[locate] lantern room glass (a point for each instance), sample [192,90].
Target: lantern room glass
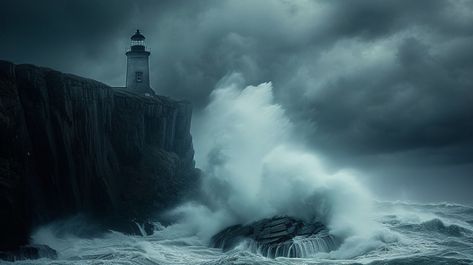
[137,43]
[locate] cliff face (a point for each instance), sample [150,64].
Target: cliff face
[70,145]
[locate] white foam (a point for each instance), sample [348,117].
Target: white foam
[255,168]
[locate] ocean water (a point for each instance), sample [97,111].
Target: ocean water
[410,234]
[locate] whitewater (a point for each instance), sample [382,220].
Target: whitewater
[255,167]
[428,234]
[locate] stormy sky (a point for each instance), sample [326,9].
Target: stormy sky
[382,87]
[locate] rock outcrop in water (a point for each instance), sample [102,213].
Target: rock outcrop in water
[277,237]
[71,144]
[29,252]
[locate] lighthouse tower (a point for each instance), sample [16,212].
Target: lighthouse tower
[137,70]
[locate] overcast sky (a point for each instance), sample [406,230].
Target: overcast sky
[383,87]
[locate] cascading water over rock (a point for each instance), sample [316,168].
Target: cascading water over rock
[277,237]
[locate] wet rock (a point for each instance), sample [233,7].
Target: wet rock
[29,252]
[14,163]
[277,236]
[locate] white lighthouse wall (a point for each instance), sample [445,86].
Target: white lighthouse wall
[137,62]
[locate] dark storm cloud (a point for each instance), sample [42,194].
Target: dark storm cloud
[374,76]
[368,82]
[424,100]
[56,28]
[382,86]
[85,37]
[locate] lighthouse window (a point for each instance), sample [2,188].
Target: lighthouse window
[139,77]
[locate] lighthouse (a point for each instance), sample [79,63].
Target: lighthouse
[137,69]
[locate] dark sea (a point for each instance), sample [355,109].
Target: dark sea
[407,233]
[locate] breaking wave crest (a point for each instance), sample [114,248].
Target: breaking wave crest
[169,246]
[256,168]
[437,226]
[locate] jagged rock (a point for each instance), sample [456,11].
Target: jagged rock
[29,252]
[15,150]
[277,236]
[71,144]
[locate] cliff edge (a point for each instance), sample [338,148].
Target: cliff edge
[74,145]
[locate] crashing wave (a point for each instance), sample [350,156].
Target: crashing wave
[436,225]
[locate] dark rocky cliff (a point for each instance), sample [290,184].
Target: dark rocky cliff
[74,145]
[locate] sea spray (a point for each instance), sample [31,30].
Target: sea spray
[255,168]
[171,246]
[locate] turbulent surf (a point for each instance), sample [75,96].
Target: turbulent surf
[411,234]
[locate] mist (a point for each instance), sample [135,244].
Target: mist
[254,167]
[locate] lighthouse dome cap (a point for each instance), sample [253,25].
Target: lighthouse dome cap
[137,36]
